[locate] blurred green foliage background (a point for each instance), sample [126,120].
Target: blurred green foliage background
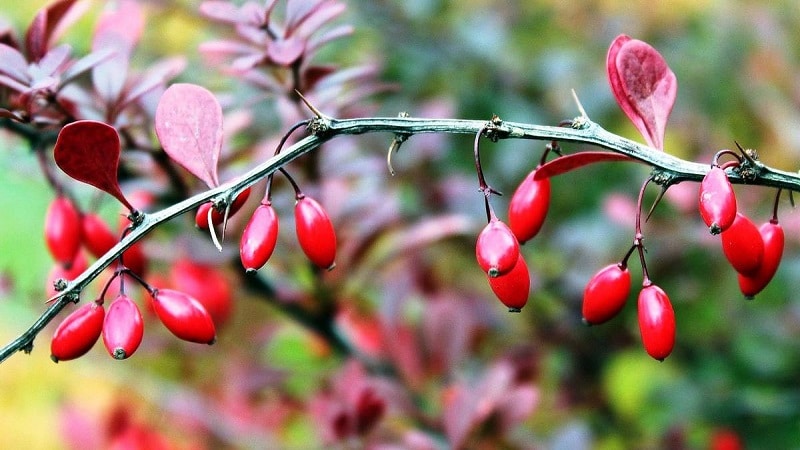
[737,362]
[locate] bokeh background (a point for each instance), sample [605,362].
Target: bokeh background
[736,366]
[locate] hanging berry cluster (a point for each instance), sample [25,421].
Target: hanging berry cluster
[754,252]
[645,88]
[498,246]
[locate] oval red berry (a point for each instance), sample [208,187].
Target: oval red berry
[773,237]
[605,294]
[497,249]
[207,283]
[528,207]
[123,328]
[315,232]
[656,322]
[513,287]
[97,236]
[77,333]
[259,238]
[717,201]
[184,316]
[743,245]
[62,230]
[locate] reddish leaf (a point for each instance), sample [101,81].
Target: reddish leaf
[643,85]
[568,163]
[88,151]
[189,126]
[41,30]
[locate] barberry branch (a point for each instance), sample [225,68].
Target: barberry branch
[667,170]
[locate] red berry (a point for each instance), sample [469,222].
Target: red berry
[207,284]
[123,328]
[315,232]
[528,207]
[97,236]
[743,245]
[773,237]
[717,201]
[62,230]
[725,439]
[606,294]
[513,287]
[656,322]
[497,248]
[217,217]
[259,238]
[78,332]
[184,316]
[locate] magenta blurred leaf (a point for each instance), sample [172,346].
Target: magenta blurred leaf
[119,28]
[13,64]
[643,85]
[188,124]
[222,11]
[574,161]
[41,31]
[157,75]
[88,151]
[284,52]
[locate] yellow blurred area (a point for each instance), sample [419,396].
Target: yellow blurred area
[33,388]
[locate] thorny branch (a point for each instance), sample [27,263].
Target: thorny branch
[667,170]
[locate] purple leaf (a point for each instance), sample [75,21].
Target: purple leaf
[188,124]
[221,11]
[643,85]
[13,64]
[157,75]
[284,52]
[297,11]
[13,84]
[324,14]
[119,30]
[85,63]
[41,31]
[574,161]
[88,151]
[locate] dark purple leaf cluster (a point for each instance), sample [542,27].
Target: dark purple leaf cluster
[44,84]
[275,53]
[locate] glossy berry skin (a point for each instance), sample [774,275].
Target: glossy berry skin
[773,237]
[207,284]
[605,294]
[97,236]
[184,316]
[497,249]
[315,232]
[217,217]
[528,207]
[656,322]
[717,201]
[62,230]
[513,287]
[743,245]
[78,332]
[259,238]
[123,328]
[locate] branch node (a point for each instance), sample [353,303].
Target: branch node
[397,141]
